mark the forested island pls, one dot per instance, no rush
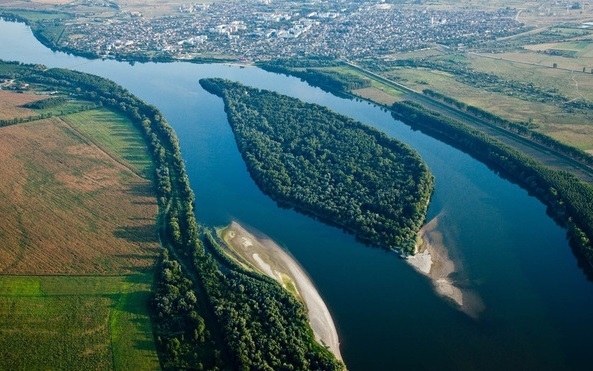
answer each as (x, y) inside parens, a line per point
(327, 165)
(203, 316)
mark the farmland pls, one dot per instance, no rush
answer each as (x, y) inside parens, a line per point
(75, 322)
(78, 226)
(547, 84)
(11, 104)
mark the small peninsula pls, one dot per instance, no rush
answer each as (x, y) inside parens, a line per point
(330, 166)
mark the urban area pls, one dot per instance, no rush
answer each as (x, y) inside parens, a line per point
(259, 30)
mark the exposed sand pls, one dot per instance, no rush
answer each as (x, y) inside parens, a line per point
(434, 261)
(267, 257)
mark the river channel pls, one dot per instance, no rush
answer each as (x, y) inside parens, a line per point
(538, 305)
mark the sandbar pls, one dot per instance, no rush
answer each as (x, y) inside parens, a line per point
(433, 260)
(264, 255)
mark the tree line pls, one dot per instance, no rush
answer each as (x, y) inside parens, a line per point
(568, 199)
(327, 80)
(524, 129)
(46, 103)
(321, 163)
(203, 318)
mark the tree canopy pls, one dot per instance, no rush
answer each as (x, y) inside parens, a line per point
(203, 317)
(328, 165)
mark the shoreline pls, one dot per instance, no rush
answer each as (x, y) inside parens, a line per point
(266, 257)
(433, 260)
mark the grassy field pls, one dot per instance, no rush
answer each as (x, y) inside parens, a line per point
(378, 92)
(572, 126)
(75, 322)
(113, 134)
(79, 243)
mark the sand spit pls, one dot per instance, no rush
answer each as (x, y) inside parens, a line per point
(267, 257)
(434, 261)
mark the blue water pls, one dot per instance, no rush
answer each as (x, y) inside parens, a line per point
(538, 304)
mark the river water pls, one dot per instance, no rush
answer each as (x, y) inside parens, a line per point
(538, 305)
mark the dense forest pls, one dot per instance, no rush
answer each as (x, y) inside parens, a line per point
(203, 318)
(321, 163)
(330, 81)
(568, 199)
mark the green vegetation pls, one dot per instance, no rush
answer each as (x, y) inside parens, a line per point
(46, 103)
(91, 314)
(524, 129)
(111, 131)
(56, 106)
(522, 82)
(326, 79)
(321, 163)
(568, 199)
(262, 338)
(224, 327)
(177, 310)
(76, 322)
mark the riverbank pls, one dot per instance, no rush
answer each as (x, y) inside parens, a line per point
(435, 261)
(264, 255)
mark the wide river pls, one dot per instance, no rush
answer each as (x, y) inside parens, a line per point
(538, 305)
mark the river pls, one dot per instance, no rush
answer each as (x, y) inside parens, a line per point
(538, 305)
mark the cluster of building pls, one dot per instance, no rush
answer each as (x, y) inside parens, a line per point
(266, 29)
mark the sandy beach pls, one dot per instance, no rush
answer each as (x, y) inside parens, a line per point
(433, 260)
(267, 257)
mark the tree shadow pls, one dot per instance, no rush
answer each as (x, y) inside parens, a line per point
(143, 189)
(138, 234)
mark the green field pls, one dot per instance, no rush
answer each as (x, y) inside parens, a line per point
(81, 252)
(571, 126)
(71, 106)
(114, 134)
(76, 322)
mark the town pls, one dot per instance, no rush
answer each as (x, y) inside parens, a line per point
(257, 30)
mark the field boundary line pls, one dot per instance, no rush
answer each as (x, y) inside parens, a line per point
(89, 140)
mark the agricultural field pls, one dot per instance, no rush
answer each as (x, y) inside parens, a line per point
(76, 322)
(112, 133)
(11, 104)
(378, 92)
(572, 127)
(79, 242)
(548, 84)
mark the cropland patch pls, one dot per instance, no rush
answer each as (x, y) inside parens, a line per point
(79, 241)
(75, 322)
(11, 104)
(70, 207)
